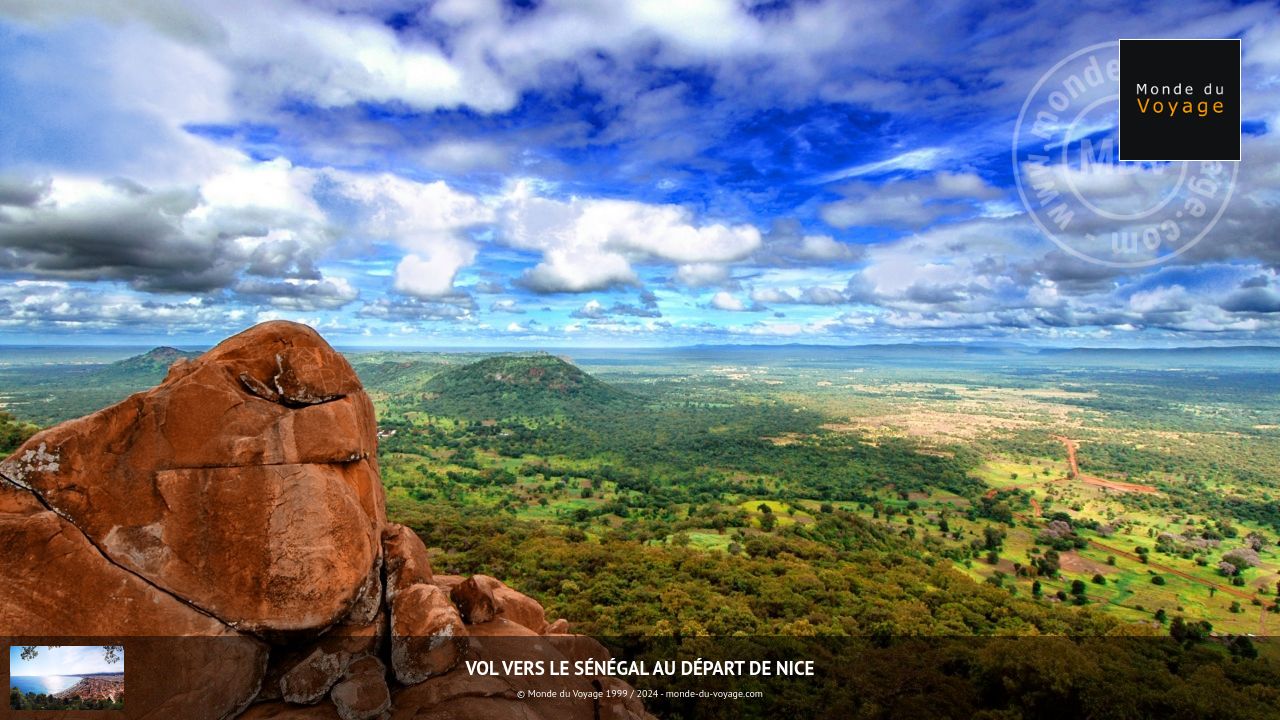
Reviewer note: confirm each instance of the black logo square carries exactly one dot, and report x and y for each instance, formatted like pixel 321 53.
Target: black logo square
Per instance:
pixel 1179 100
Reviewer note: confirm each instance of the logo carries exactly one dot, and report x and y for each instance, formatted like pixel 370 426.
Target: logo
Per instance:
pixel 1180 100
pixel 1082 196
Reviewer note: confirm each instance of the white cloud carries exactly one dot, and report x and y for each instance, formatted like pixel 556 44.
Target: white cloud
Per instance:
pixel 909 203
pixel 431 274
pixel 505 305
pixel 427 219
pixel 771 296
pixel 696 275
pixel 464 156
pixel 589 244
pixel 727 301
pixel 919 159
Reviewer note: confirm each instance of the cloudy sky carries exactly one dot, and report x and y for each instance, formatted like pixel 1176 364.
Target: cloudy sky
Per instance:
pixel 64 660
pixel 589 172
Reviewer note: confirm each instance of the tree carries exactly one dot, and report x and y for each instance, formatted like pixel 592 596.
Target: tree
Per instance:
pixel 768 521
pixel 1157 580
pixel 1098 579
pixel 1241 646
pixel 110 653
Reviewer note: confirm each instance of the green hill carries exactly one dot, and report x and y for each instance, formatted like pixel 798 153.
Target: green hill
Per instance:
pixel 145 370
pixel 519 385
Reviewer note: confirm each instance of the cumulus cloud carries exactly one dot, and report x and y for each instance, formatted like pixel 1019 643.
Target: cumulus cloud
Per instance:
pixel 595 310
pixel 812 295
pixel 697 275
pixel 412 309
pixel 787 245
pixel 430 220
pixel 724 300
pixel 506 305
pixel 254 218
pixel 299 294
pixel 589 244
pixel 54 306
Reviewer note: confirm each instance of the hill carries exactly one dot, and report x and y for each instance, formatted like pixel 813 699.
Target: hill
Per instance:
pixel 519 385
pixel 155 360
pixel 141 371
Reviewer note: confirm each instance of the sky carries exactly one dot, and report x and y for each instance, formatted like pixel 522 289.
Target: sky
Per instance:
pixel 588 173
pixel 64 660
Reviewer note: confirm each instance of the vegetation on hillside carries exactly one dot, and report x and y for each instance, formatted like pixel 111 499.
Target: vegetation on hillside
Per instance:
pixel 519 386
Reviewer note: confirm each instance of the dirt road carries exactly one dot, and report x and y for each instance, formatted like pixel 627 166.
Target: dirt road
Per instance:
pixel 1097 481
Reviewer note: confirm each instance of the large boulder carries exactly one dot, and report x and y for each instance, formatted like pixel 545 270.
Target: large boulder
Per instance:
pixel 363 692
pixel 481 598
pixel 427 634
pixel 58 585
pixel 245 484
pixel 407 560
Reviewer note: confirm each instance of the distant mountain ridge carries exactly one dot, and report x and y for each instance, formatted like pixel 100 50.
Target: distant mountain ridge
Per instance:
pixel 512 385
pixel 146 369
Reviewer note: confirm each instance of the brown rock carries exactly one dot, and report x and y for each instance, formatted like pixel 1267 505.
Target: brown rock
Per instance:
pixel 427 634
pixel 363 692
pixel 447 582
pixel 58 585
pixel 346 639
pixel 499 627
pixel 256 500
pixel 368 604
pixel 406 557
pixel 481 598
pixel 619 705
pixel 281 711
pixel 559 627
pixel 579 647
pixel 310 679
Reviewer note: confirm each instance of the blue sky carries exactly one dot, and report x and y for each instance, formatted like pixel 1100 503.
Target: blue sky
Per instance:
pixel 592 173
pixel 64 660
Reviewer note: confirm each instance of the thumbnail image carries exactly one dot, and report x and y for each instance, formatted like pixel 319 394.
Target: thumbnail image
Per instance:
pixel 71 677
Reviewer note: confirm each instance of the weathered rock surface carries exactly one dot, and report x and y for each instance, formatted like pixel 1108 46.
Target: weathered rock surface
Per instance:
pixel 363 692
pixel 57 584
pixel 481 598
pixel 310 679
pixel 231 521
pixel 427 634
pixel 265 512
pixel 408 562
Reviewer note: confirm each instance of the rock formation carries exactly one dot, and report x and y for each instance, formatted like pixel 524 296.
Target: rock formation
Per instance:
pixel 231 522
